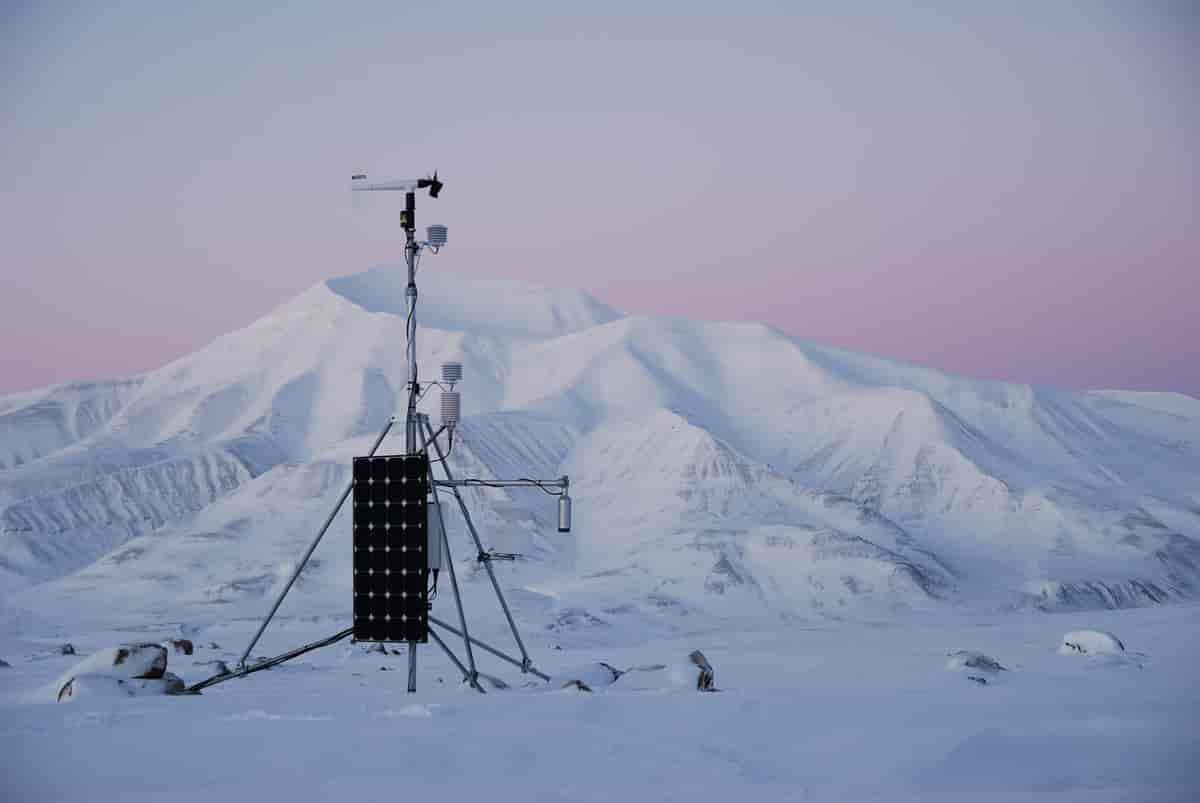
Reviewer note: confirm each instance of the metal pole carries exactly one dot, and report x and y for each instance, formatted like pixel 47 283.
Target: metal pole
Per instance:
pixel 525 663
pixel 477 483
pixel 449 560
pixel 410 332
pixel 270 662
pixel 412 667
pixel 311 547
pixel 492 650
pixel 454 658
pixel 411 248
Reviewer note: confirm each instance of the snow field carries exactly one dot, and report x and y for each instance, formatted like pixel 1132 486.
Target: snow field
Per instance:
pixel 830 712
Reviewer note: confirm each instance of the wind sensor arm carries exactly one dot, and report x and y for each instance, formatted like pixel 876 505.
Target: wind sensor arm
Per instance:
pixel 359 183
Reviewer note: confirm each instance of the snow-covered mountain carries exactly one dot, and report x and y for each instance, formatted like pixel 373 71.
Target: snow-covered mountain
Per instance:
pixel 718 469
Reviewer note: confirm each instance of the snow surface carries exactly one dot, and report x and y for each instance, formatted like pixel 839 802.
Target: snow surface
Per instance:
pixel 838 711
pixel 827 527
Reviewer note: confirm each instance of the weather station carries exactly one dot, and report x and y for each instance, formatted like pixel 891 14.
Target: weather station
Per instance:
pixel 398 521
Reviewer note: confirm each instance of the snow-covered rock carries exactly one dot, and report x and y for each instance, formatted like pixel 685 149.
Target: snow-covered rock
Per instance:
pixel 101 685
pixel 1090 642
pixel 971 660
pixel 127 661
pixel 587 677
pixel 704 671
pixel 127 670
pixel 218 667
pixel 690 673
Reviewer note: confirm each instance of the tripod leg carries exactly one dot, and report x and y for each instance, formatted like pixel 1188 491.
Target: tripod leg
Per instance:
pixel 462 619
pixel 412 667
pixel 529 667
pixel 450 654
pixel 308 554
pixel 462 506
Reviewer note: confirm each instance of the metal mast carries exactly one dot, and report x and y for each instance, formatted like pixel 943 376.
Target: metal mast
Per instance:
pixel 419 439
pixel 411 252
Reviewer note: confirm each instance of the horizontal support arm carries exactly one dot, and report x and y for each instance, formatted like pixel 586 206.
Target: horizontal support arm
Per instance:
pixel 469 482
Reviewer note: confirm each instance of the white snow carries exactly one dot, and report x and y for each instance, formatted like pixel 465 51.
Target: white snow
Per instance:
pixel 718 468
pixel 1090 642
pixel 812 710
pixel 127 661
pixel 827 527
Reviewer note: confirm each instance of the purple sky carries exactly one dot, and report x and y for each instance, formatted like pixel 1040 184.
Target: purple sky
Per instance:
pixel 1002 193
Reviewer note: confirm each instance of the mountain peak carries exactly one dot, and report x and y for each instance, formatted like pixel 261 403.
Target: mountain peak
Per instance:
pixel 478 305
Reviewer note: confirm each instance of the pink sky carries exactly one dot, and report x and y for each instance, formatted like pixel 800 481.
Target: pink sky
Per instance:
pixel 997 193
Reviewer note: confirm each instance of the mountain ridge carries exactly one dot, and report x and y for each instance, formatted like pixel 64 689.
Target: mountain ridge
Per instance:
pixel 952 490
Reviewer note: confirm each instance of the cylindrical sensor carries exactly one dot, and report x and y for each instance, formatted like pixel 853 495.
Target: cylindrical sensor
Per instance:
pixel 564 514
pixel 451 407
pixel 436 235
pixel 452 372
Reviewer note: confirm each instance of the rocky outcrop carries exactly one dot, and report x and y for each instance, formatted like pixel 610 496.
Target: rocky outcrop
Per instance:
pixel 962 660
pixel 705 676
pixel 129 670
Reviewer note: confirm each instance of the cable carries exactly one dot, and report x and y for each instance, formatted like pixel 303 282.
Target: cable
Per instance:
pixel 541 485
pixel 477 483
pixel 492 554
pixel 474 483
pixel 449 447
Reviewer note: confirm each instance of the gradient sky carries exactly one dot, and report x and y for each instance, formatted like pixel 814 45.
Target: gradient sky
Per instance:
pixel 1001 190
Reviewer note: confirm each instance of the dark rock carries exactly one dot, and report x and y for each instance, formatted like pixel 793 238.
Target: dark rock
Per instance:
pixel 587 677
pixel 66 649
pixel 970 659
pixel 153 658
pixel 4 664
pixel 705 680
pixel 182 645
pixel 980 680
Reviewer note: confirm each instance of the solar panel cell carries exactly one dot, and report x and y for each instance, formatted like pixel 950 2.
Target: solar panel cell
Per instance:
pixel 390 562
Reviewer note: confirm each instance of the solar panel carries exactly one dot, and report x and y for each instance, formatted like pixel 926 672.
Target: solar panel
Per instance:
pixel 390 560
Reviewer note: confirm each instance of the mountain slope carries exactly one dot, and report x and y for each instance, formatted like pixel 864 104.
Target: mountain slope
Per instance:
pixel 720 468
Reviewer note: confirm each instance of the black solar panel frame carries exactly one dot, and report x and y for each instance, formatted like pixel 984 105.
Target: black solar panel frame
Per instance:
pixel 389 533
